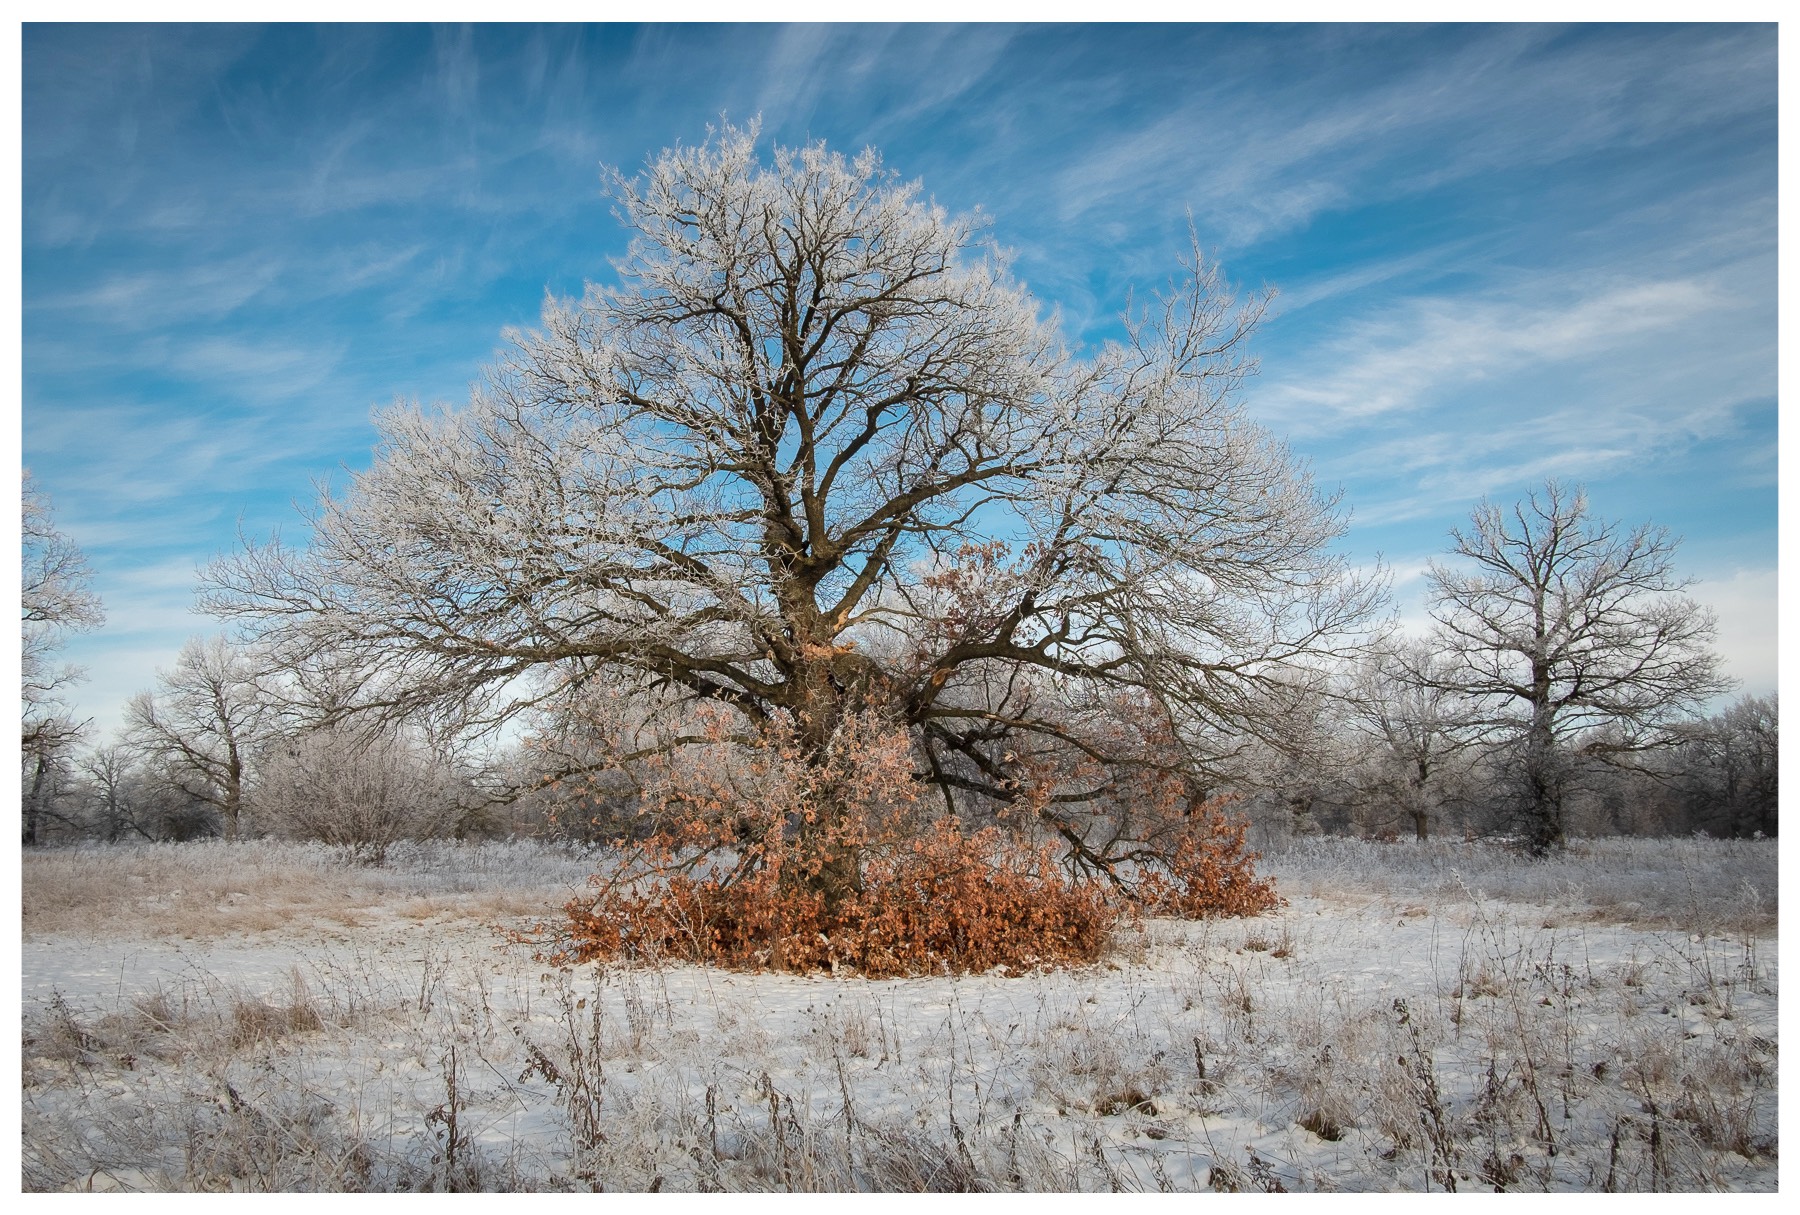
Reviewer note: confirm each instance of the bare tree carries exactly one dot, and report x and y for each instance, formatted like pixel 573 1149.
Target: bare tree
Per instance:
pixel 56 599
pixel 1574 634
pixel 1733 768
pixel 1403 701
pixel 816 454
pixel 112 777
pixel 360 790
pixel 1298 769
pixel 202 723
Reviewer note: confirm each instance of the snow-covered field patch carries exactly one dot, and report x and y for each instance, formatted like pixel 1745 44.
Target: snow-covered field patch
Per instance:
pixel 1419 1017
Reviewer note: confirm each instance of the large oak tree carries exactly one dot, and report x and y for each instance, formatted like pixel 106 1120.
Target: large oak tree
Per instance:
pixel 815 452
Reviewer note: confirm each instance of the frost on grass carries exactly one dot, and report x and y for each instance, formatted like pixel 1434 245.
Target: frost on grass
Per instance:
pixel 1418 1018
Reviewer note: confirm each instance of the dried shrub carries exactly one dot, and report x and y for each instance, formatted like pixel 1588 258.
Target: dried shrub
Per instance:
pixel 947 900
pixel 767 856
pixel 1208 871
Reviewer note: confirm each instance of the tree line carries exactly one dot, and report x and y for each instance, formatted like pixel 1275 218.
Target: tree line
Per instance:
pixel 816 459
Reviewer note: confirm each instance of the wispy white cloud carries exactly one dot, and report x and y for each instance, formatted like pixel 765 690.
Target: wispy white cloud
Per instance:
pixel 159 595
pixel 1429 262
pixel 1419 488
pixel 172 298
pixel 1421 350
pixel 132 454
pixel 793 74
pixel 122 457
pixel 1253 164
pixel 254 371
pixel 158 298
pixel 963 58
pixel 339 183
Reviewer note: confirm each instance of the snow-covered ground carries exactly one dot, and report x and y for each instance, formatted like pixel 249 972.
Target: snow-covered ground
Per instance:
pixel 1418 1017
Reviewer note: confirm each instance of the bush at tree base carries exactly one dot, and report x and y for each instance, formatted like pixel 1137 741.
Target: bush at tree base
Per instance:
pixel 966 902
pixel 729 876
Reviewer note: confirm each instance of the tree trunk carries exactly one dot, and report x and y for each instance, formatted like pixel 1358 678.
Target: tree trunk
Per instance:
pixel 1300 808
pixel 234 788
pixel 1544 788
pixel 831 865
pixel 1544 775
pixel 32 801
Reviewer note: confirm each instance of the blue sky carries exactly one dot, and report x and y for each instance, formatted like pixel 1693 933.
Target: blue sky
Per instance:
pixel 1502 252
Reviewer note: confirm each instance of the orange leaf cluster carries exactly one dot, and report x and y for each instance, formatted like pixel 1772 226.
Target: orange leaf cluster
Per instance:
pixel 1208 871
pixel 949 901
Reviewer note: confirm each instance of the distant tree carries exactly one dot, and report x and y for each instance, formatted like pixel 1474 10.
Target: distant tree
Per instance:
pixel 361 790
pixel 1560 624
pixel 1301 763
pixel 114 794
pixel 1645 798
pixel 1410 724
pixel 1732 768
pixel 201 725
pixel 114 784
pixel 816 455
pixel 48 784
pixel 56 600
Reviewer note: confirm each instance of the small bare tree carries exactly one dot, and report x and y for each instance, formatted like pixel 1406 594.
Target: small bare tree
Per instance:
pixel 1411 723
pixel 1574 635
pixel 357 790
pixel 111 773
pixel 202 724
pixel 56 599
pixel 817 455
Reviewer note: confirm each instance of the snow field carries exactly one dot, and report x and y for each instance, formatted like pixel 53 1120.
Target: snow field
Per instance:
pixel 1398 1026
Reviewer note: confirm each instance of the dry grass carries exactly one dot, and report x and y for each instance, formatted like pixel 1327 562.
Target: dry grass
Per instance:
pixel 207 891
pixel 176 891
pixel 1698 885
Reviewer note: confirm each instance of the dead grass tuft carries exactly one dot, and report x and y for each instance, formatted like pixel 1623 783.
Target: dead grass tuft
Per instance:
pixel 255 1022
